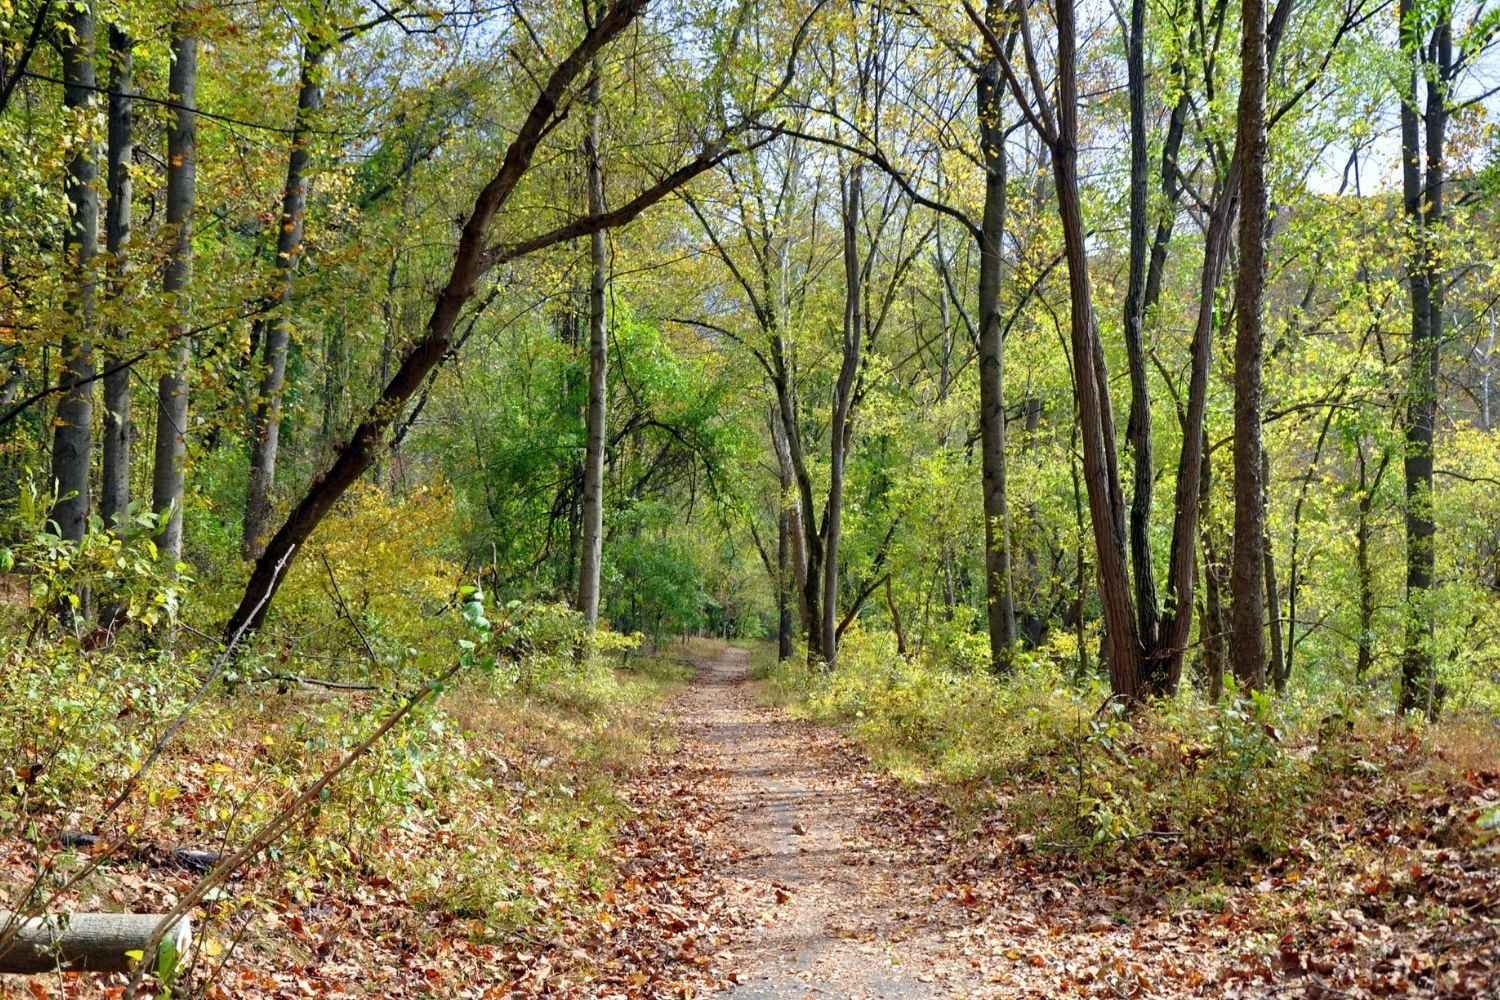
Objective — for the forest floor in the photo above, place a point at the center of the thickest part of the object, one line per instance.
(755, 856)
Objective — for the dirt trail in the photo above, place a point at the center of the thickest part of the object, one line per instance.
(841, 914)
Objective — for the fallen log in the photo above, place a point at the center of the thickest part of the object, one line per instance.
(85, 942)
(155, 855)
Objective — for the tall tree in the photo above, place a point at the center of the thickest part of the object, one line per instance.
(1430, 61)
(1247, 574)
(840, 422)
(72, 440)
(114, 493)
(598, 394)
(1138, 426)
(989, 97)
(276, 335)
(167, 476)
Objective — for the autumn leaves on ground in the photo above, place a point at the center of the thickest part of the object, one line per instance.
(673, 832)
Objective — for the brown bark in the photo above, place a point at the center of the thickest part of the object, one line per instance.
(471, 260)
(1101, 477)
(1247, 578)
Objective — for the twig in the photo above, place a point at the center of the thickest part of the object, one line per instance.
(320, 682)
(338, 596)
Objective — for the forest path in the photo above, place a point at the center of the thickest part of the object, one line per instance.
(842, 912)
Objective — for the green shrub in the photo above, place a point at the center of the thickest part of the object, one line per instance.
(1078, 773)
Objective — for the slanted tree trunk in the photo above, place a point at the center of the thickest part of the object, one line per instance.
(1423, 175)
(471, 260)
(999, 595)
(167, 474)
(114, 492)
(72, 440)
(1091, 386)
(265, 431)
(1247, 580)
(593, 459)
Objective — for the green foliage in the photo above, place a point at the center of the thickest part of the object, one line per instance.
(116, 566)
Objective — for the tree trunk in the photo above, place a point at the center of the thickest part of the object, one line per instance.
(1000, 605)
(785, 582)
(1138, 427)
(72, 441)
(172, 390)
(114, 491)
(1247, 581)
(895, 613)
(1100, 474)
(1423, 176)
(1365, 640)
(266, 414)
(1211, 629)
(1278, 649)
(471, 260)
(1163, 665)
(839, 428)
(593, 460)
(792, 509)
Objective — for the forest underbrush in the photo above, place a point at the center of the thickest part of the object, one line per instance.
(1312, 835)
(479, 829)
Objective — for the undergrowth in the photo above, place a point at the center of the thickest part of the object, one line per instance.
(495, 804)
(1231, 782)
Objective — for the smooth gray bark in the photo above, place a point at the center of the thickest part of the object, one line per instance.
(167, 475)
(593, 458)
(265, 431)
(72, 439)
(114, 491)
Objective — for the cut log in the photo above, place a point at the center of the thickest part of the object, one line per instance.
(84, 942)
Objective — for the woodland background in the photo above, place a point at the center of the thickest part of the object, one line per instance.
(1090, 396)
